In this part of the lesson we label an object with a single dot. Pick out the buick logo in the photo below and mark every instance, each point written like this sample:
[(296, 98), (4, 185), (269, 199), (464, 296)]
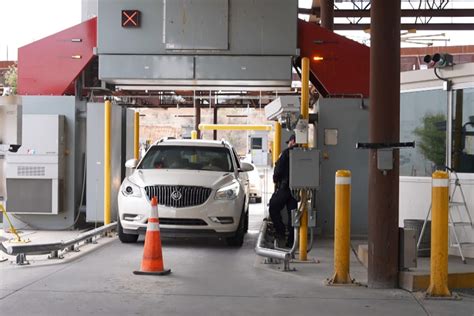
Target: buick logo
[(176, 195)]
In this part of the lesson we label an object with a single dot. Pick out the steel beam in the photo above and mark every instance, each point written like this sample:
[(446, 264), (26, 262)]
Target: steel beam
[(182, 106), (410, 26), (447, 13), (384, 127)]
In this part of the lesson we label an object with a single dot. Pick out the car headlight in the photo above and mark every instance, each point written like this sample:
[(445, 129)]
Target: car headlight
[(228, 192), (130, 189)]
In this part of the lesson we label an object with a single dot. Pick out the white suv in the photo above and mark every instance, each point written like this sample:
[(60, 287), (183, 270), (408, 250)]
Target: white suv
[(202, 190)]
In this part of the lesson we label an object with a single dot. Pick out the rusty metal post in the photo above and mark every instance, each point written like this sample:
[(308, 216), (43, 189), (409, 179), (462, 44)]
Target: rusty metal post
[(384, 127), (197, 115), (327, 14)]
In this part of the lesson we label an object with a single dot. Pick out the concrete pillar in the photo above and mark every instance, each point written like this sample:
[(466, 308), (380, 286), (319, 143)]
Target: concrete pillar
[(327, 14), (384, 127)]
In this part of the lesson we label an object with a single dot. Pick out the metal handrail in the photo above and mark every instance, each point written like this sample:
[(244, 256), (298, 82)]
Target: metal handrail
[(52, 247)]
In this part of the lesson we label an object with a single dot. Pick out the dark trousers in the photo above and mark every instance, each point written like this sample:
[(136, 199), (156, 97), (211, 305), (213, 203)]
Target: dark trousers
[(282, 197)]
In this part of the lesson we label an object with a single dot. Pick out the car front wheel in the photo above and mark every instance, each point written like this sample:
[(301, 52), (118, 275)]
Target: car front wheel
[(238, 239), (125, 238)]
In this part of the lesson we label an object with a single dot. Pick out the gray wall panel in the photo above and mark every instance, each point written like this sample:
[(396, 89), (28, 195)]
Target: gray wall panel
[(114, 39), (145, 67), (95, 161), (130, 141), (352, 124), (256, 27), (243, 68), (263, 27), (197, 24)]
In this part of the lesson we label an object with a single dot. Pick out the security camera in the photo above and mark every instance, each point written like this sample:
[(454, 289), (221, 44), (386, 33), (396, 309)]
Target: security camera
[(439, 60), (427, 59), (283, 107), (14, 148)]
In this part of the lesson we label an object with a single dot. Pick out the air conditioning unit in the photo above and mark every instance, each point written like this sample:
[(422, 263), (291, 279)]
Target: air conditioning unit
[(35, 174)]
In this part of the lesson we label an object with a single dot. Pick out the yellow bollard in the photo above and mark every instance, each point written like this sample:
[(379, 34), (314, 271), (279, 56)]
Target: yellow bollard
[(276, 143), (107, 120), (439, 235), (194, 134), (136, 136), (342, 228), (303, 246)]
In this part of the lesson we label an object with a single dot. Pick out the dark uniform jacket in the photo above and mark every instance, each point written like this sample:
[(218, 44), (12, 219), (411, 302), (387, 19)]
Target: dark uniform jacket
[(281, 173)]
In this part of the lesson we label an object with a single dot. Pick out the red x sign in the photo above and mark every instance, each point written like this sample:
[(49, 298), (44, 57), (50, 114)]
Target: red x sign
[(130, 18)]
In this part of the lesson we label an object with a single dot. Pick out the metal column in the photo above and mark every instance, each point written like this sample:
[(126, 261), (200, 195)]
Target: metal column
[(107, 160), (136, 135), (214, 121), (449, 127), (305, 115), (384, 127), (327, 14), (197, 115)]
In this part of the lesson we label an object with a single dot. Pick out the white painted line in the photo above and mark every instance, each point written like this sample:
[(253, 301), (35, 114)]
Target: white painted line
[(440, 183), (343, 180)]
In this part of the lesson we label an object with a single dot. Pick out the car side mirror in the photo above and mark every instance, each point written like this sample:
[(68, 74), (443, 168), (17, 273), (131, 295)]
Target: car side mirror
[(245, 167), (131, 163)]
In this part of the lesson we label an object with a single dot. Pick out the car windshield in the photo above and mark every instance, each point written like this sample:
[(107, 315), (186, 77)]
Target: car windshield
[(187, 157)]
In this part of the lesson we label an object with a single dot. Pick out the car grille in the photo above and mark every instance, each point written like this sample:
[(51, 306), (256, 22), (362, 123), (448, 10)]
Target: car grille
[(178, 195), (183, 221)]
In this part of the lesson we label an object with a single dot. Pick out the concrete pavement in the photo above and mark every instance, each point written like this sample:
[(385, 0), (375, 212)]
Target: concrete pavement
[(208, 278)]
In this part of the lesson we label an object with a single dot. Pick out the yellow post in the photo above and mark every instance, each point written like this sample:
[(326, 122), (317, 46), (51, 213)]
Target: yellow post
[(136, 136), (276, 142), (107, 120), (439, 235), (194, 135), (305, 114), (342, 228)]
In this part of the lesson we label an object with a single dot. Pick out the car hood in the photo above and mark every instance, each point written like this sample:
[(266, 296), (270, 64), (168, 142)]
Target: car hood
[(208, 179)]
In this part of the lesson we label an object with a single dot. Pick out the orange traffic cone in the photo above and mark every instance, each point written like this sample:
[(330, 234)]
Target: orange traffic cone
[(152, 262)]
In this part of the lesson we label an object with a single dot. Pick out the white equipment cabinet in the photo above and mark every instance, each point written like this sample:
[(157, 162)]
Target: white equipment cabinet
[(35, 173), (258, 143)]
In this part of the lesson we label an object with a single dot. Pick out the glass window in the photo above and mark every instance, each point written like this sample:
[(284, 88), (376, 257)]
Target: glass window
[(256, 143), (463, 131), (188, 157), (423, 119)]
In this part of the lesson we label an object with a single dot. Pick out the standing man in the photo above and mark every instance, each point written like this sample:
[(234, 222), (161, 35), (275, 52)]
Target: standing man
[(282, 196)]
